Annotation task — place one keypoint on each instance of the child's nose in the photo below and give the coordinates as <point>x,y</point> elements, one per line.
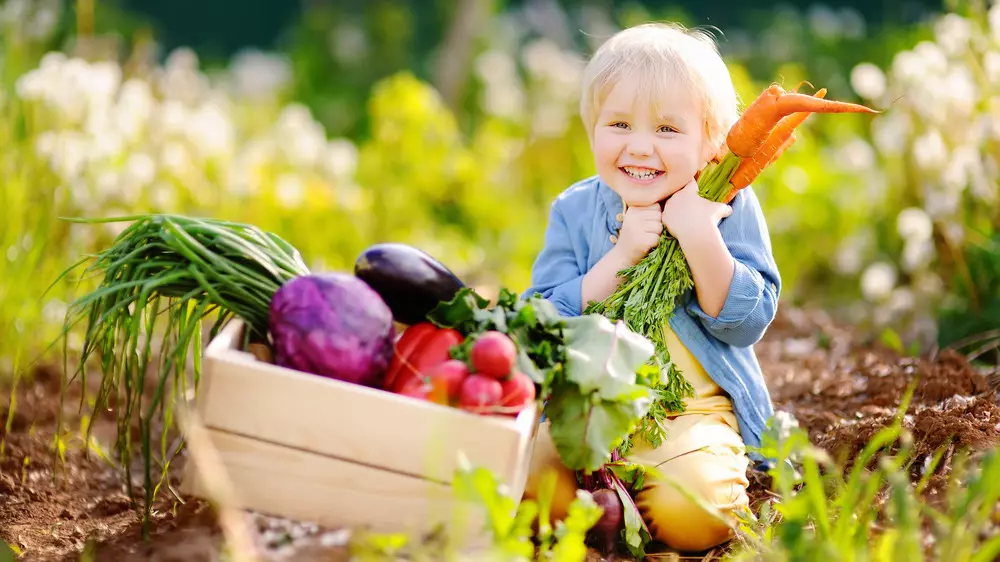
<point>640,145</point>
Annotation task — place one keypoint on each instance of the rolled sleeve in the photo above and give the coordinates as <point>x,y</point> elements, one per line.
<point>752,301</point>
<point>556,275</point>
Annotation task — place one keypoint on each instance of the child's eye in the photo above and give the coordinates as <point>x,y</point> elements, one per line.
<point>668,129</point>
<point>620,125</point>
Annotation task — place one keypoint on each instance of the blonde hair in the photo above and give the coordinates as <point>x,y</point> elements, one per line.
<point>662,56</point>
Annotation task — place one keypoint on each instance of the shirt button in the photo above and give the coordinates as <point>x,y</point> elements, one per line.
<point>620,217</point>
<point>614,239</point>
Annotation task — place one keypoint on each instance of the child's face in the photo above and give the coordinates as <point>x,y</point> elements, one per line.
<point>645,158</point>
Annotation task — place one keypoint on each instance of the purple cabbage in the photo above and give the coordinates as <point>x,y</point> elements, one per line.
<point>333,325</point>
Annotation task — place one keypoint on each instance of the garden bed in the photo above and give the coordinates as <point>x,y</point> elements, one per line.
<point>840,389</point>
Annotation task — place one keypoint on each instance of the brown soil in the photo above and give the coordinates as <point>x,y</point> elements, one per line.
<point>841,390</point>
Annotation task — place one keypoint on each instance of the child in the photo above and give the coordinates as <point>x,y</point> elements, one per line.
<point>657,103</point>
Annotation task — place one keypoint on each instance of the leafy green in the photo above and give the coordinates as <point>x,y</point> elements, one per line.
<point>603,357</point>
<point>585,368</point>
<point>585,428</point>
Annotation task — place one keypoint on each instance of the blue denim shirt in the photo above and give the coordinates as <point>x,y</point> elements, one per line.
<point>582,220</point>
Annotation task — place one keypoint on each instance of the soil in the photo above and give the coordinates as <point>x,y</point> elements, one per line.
<point>840,389</point>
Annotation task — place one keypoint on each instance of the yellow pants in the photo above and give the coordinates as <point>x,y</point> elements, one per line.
<point>703,454</point>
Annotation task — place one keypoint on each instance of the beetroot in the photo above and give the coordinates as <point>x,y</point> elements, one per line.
<point>333,325</point>
<point>608,528</point>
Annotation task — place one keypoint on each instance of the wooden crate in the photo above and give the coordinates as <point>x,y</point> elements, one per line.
<point>305,447</point>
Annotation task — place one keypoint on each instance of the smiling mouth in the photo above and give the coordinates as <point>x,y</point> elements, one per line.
<point>641,174</point>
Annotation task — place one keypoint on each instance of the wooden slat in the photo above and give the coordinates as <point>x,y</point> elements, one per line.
<point>305,486</point>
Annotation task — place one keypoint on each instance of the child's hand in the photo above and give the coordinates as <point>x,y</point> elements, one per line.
<point>640,232</point>
<point>687,213</point>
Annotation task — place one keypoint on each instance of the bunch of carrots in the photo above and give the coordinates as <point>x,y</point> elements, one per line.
<point>649,290</point>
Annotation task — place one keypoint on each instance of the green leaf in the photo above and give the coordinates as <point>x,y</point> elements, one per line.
<point>509,522</point>
<point>463,313</point>
<point>583,513</point>
<point>586,428</point>
<point>636,533</point>
<point>603,357</point>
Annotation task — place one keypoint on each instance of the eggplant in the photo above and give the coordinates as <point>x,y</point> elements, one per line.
<point>409,280</point>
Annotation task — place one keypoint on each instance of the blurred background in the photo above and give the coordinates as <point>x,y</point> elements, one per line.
<point>450,125</point>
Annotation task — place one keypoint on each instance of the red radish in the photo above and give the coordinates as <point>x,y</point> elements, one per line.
<point>518,391</point>
<point>479,393</point>
<point>493,354</point>
<point>417,389</point>
<point>446,380</point>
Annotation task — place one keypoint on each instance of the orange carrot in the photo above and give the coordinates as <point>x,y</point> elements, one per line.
<point>751,130</point>
<point>781,137</point>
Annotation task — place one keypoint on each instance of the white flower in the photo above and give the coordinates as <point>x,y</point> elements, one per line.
<point>211,130</point>
<point>504,101</point>
<point>929,150</point>
<point>289,191</point>
<point>939,203</point>
<point>917,253</point>
<point>824,22</point>
<point>175,158</point>
<point>901,300</point>
<point>257,74</point>
<point>878,280</point>
<point>495,66</point>
<point>341,158</point>
<point>45,22</point>
<point>991,65</point>
<point>856,155</point>
<point>850,254</point>
<point>909,68</point>
<point>101,82</point>
<point>162,196</point>
<point>868,80</point>
<point>913,223</point>
<point>140,168</point>
<point>994,20</point>
<point>542,55</point>
<point>852,23</point>
<point>134,108</point>
<point>961,91</point>
<point>173,118</point>
<point>934,60</point>
<point>550,119</point>
<point>952,33</point>
<point>891,131</point>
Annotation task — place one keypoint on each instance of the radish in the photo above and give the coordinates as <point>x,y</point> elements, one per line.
<point>446,381</point>
<point>518,391</point>
<point>493,354</point>
<point>479,393</point>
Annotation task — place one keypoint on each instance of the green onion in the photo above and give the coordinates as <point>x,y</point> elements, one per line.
<point>185,269</point>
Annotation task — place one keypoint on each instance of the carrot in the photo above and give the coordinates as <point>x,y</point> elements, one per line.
<point>781,137</point>
<point>751,130</point>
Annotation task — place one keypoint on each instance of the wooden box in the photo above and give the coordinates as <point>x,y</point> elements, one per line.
<point>301,446</point>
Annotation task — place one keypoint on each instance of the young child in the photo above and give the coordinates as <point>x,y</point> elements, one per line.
<point>657,102</point>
